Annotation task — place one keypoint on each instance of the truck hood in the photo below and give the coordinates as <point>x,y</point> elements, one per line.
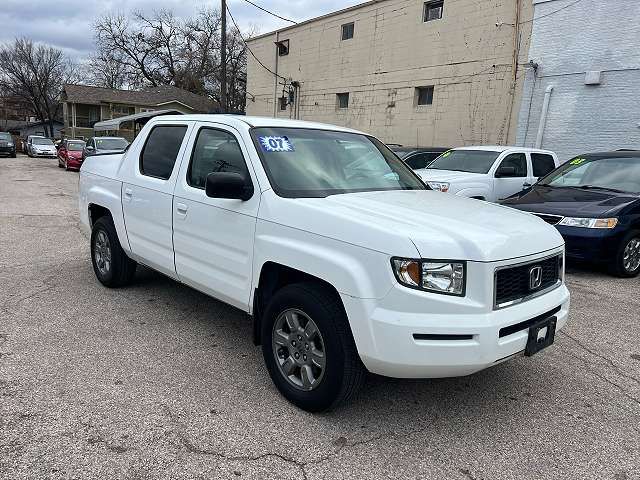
<point>449,176</point>
<point>438,226</point>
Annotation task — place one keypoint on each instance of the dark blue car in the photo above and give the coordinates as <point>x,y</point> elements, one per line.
<point>594,202</point>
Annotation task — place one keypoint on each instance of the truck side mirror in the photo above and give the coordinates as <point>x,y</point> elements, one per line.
<point>228,185</point>
<point>505,171</point>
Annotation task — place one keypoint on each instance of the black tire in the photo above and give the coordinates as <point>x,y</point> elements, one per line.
<point>60,165</point>
<point>121,268</point>
<point>618,268</point>
<point>344,372</point>
<point>13,155</point>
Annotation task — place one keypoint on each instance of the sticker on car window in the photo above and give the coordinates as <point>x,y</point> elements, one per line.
<point>577,161</point>
<point>276,144</point>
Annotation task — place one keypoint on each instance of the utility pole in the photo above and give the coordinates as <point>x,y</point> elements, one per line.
<point>223,56</point>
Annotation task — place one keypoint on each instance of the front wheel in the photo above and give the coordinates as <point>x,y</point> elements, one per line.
<point>309,349</point>
<point>627,259</point>
<point>110,263</point>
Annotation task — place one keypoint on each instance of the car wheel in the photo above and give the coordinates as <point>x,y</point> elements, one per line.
<point>627,260</point>
<point>110,263</point>
<point>308,347</point>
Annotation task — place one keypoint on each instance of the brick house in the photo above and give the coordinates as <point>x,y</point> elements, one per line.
<point>85,105</point>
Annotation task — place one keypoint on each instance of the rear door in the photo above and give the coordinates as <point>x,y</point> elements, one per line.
<point>147,194</point>
<point>505,186</point>
<point>213,237</point>
<point>542,164</point>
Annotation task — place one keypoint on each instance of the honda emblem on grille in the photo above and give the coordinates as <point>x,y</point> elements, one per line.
<point>535,277</point>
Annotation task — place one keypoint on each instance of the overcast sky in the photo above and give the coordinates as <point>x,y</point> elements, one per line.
<point>66,24</point>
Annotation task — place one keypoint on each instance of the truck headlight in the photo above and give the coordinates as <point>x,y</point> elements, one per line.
<point>444,277</point>
<point>9,144</point>
<point>589,222</point>
<point>439,186</point>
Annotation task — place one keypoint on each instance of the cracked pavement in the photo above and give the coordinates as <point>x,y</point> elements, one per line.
<point>160,381</point>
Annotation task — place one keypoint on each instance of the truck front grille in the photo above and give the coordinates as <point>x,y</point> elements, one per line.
<point>514,284</point>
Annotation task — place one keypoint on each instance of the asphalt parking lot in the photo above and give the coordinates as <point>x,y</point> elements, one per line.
<point>160,381</point>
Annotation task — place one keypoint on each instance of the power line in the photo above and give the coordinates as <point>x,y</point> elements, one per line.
<point>549,14</point>
<point>269,12</point>
<point>250,51</point>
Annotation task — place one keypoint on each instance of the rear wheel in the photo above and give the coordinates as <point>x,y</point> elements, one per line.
<point>627,259</point>
<point>308,347</point>
<point>110,263</point>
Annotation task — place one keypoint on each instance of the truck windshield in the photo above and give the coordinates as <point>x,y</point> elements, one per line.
<point>304,162</point>
<point>111,143</point>
<point>617,174</point>
<point>471,161</point>
<point>5,136</point>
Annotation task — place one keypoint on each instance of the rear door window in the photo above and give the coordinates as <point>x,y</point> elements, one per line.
<point>420,160</point>
<point>161,149</point>
<point>542,164</point>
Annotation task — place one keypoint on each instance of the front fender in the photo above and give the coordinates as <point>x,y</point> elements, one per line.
<point>471,192</point>
<point>352,270</point>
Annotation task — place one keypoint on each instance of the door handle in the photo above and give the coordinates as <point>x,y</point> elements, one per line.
<point>128,194</point>
<point>181,208</point>
<point>526,185</point>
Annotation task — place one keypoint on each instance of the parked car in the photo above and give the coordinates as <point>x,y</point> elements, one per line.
<point>488,173</point>
<point>70,154</point>
<point>7,145</point>
<point>38,146</point>
<point>104,145</point>
<point>419,157</point>
<point>332,244</point>
<point>594,202</point>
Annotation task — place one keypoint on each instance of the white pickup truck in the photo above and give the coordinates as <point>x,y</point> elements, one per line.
<point>490,173</point>
<point>344,259</point>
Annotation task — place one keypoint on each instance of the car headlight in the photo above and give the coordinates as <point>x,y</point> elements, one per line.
<point>444,277</point>
<point>9,144</point>
<point>439,186</point>
<point>589,222</point>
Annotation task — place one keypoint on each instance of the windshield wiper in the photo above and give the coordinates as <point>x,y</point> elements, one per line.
<point>596,187</point>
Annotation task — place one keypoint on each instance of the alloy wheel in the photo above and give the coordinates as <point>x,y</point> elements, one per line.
<point>631,255</point>
<point>299,349</point>
<point>102,253</point>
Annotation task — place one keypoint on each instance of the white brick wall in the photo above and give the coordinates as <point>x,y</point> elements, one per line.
<point>592,35</point>
<point>467,56</point>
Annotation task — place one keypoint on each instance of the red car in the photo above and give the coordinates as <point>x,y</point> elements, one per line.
<point>70,154</point>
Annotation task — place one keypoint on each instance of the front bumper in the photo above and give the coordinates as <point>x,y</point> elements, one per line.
<point>75,163</point>
<point>470,326</point>
<point>7,151</point>
<point>592,244</point>
<point>44,154</point>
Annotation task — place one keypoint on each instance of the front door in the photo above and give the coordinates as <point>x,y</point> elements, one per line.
<point>507,185</point>
<point>213,237</point>
<point>147,196</point>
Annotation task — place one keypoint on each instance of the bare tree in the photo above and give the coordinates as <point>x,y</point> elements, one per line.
<point>104,69</point>
<point>162,49</point>
<point>35,73</point>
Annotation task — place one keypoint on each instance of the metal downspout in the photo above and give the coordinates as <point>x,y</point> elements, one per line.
<point>543,116</point>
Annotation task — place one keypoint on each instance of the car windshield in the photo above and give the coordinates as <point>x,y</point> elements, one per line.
<point>75,146</point>
<point>42,141</point>
<point>111,143</point>
<point>586,172</point>
<point>472,161</point>
<point>317,163</point>
<point>5,136</point>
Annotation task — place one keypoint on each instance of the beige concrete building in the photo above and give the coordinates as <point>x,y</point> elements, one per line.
<point>414,72</point>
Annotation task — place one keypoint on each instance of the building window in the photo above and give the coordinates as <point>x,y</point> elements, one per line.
<point>342,100</point>
<point>347,31</point>
<point>283,103</point>
<point>424,95</point>
<point>283,47</point>
<point>433,10</point>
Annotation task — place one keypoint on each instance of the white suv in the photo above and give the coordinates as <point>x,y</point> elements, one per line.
<point>490,173</point>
